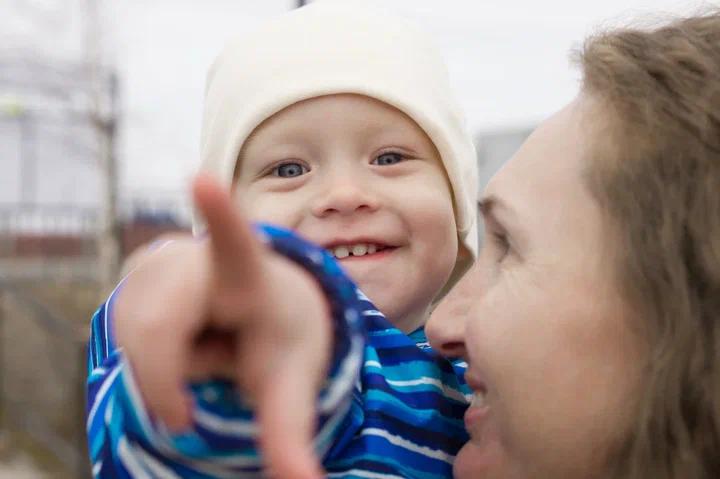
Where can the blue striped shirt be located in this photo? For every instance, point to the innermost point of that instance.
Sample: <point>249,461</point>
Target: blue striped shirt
<point>391,407</point>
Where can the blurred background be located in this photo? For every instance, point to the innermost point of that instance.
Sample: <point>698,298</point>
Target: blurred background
<point>100,106</point>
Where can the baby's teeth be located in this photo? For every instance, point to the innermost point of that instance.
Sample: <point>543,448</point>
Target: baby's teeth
<point>359,249</point>
<point>342,252</point>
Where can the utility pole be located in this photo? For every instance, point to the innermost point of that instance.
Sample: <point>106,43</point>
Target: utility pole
<point>28,159</point>
<point>102,116</point>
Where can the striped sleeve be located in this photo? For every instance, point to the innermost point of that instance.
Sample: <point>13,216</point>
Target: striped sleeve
<point>125,442</point>
<point>410,416</point>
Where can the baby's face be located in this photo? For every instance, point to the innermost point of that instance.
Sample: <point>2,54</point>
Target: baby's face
<point>364,181</point>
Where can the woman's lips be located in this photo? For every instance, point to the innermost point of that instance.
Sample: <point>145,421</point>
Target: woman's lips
<point>479,408</point>
<point>476,413</point>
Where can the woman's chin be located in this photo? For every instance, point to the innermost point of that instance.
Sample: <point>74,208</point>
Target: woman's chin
<point>479,459</point>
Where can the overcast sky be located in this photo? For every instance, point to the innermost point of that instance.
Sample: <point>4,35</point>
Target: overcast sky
<point>508,61</point>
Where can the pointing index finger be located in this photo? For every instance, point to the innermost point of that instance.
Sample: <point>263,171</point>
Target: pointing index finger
<point>234,249</point>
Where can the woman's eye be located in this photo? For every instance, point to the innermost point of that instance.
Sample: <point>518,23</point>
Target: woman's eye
<point>289,170</point>
<point>502,245</point>
<point>388,159</point>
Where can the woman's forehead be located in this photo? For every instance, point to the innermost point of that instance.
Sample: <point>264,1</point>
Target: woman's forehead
<point>546,174</point>
<point>552,155</point>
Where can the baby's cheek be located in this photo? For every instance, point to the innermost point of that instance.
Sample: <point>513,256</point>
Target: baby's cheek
<point>268,210</point>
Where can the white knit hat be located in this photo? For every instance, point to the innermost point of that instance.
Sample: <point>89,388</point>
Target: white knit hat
<point>332,47</point>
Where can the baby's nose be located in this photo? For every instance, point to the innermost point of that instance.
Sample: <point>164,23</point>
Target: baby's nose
<point>344,198</point>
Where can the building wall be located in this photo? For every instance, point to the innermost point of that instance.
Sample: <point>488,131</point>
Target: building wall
<point>496,148</point>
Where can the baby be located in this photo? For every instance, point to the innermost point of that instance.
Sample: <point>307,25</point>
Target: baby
<point>337,126</point>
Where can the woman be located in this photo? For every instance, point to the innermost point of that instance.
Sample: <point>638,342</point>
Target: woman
<point>592,329</point>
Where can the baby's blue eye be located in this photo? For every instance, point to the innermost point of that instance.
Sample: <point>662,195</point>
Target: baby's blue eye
<point>388,159</point>
<point>289,170</point>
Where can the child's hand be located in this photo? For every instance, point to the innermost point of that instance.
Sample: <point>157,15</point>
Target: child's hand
<point>229,306</point>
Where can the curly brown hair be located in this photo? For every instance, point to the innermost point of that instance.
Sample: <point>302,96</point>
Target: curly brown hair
<point>655,170</point>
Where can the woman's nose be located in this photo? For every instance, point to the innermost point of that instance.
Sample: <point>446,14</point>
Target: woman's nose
<point>446,327</point>
<point>344,196</point>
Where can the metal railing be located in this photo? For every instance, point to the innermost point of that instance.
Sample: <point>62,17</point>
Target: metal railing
<point>53,219</point>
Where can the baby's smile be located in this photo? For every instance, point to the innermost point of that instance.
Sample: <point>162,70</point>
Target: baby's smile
<point>353,250</point>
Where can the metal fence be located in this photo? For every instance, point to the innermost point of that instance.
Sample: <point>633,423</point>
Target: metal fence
<point>53,219</point>
<point>50,233</point>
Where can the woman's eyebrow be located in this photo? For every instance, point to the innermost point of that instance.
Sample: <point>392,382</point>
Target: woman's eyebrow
<point>493,208</point>
<point>486,205</point>
<point>489,204</point>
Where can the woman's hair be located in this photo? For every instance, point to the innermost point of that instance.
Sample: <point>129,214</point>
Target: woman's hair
<point>655,170</point>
